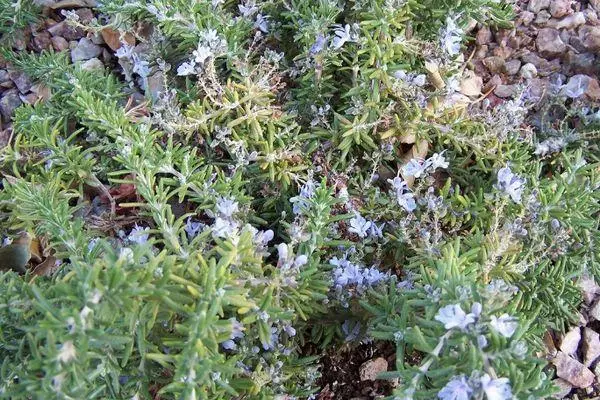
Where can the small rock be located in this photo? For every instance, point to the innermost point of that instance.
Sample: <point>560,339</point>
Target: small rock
<point>512,67</point>
<point>505,91</point>
<point>494,64</point>
<point>591,346</point>
<point>589,289</point>
<point>9,103</point>
<point>368,371</point>
<point>85,50</point>
<point>542,17</point>
<point>526,17</point>
<point>21,80</point>
<point>568,22</point>
<point>29,98</point>
<point>4,76</point>
<point>594,312</point>
<point>575,63</point>
<point>549,42</point>
<point>492,83</point>
<point>572,371</point>
<point>62,29</point>
<point>481,51</point>
<point>593,90</point>
<point>536,89</point>
<point>528,71</point>
<point>59,43</point>
<point>560,8</point>
<point>570,342</point>
<point>536,6</point>
<point>564,388</point>
<point>590,37</point>
<point>92,64</point>
<point>97,39</point>
<point>85,15</point>
<point>484,36</point>
<point>471,84</point>
<point>42,41</point>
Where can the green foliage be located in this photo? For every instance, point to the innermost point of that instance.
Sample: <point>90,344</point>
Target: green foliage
<point>263,203</point>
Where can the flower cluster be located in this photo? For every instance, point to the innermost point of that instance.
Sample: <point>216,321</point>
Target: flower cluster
<point>210,46</point>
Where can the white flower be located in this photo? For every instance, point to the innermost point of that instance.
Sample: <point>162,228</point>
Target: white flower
<point>451,37</point>
<point>248,9</point>
<point>437,161</point>
<point>403,195</point>
<point>216,3</point>
<point>202,53</point>
<point>504,325</point>
<point>359,225</point>
<point>496,389</point>
<point>453,316</point>
<point>511,184</point>
<point>187,68</point>
<point>67,352</point>
<point>456,389</point>
<point>576,87</point>
<point>343,35</point>
<point>415,168</point>
<point>262,23</point>
<point>224,228</point>
<point>227,207</point>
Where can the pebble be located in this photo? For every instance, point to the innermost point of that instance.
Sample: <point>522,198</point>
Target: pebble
<point>527,17</point>
<point>512,67</point>
<point>572,371</point>
<point>560,8</point>
<point>528,71</point>
<point>483,36</point>
<point>42,41</point>
<point>536,6</point>
<point>92,64</point>
<point>593,90</point>
<point>68,32</point>
<point>591,347</point>
<point>59,43</point>
<point>505,91</point>
<point>590,37</point>
<point>21,81</point>
<point>577,63</point>
<point>564,388</point>
<point>368,371</point>
<point>8,103</point>
<point>4,76</point>
<point>85,50</point>
<point>549,42</point>
<point>494,64</point>
<point>568,22</point>
<point>594,312</point>
<point>570,342</point>
<point>542,17</point>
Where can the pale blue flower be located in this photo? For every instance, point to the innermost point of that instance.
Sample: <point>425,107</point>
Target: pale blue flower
<point>359,225</point>
<point>453,316</point>
<point>437,160</point>
<point>456,389</point>
<point>344,34</point>
<point>504,325</point>
<point>496,389</point>
<point>186,68</point>
<point>139,235</point>
<point>451,37</point>
<point>415,167</point>
<point>192,228</point>
<point>318,45</point>
<point>376,231</point>
<point>227,207</point>
<point>224,228</point>
<point>510,184</point>
<point>248,9</point>
<point>262,23</point>
<point>403,195</point>
<point>351,330</point>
